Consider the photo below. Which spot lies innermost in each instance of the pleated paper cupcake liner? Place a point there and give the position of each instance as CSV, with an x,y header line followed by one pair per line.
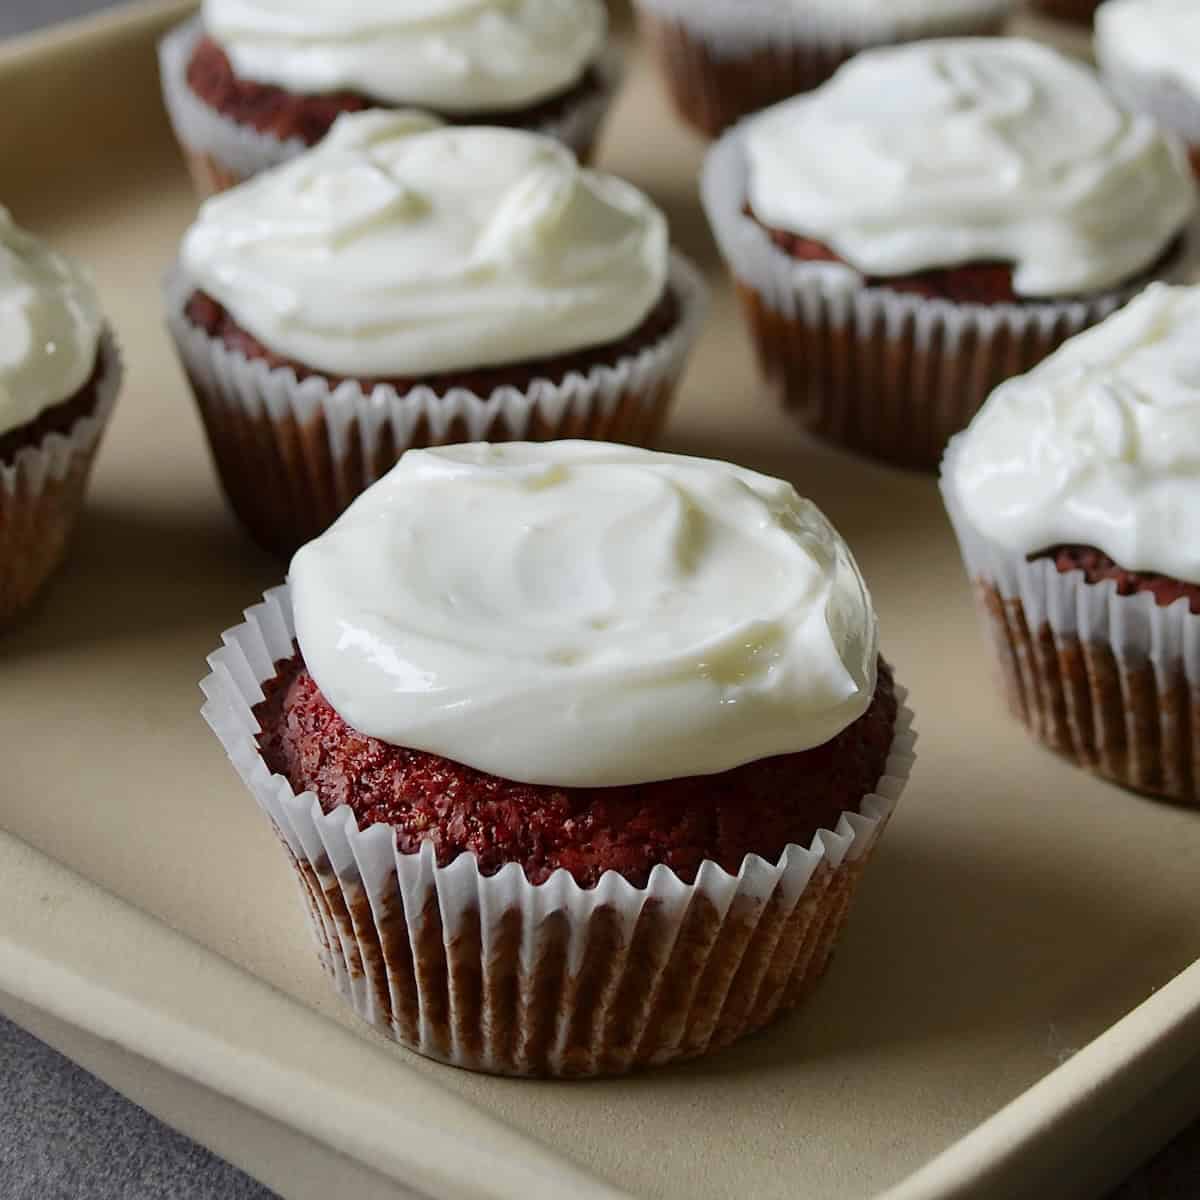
x,y
221,152
1170,104
292,454
721,61
496,974
887,374
1112,682
41,494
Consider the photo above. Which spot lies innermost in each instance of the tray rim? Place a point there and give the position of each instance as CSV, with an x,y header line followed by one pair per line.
x,y
1076,1101
1113,1074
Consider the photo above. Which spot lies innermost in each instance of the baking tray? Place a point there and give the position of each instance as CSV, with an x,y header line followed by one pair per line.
x,y
1006,1017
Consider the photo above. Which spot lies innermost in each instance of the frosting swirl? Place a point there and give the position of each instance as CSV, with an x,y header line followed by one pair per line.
x,y
972,150
397,249
1099,445
894,11
450,55
50,325
1152,37
584,614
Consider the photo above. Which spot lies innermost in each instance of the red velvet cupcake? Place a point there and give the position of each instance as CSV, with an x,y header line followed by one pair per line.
x,y
893,272
1073,495
560,802
59,374
723,59
469,283
247,87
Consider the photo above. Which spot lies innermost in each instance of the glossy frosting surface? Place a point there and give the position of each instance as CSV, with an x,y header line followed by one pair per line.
x,y
584,614
397,248
449,55
1099,445
50,326
891,13
965,150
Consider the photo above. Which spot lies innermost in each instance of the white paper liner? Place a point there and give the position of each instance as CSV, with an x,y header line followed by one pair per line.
x,y
319,447
1112,681
41,492
836,364
516,978
235,152
1171,104
730,30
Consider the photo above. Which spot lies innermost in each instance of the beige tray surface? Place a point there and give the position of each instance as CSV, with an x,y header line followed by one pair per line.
x,y
1018,907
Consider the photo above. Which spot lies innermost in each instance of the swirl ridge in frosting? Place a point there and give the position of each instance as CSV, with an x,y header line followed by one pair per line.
x,y
973,150
583,614
450,55
1099,445
50,326
397,248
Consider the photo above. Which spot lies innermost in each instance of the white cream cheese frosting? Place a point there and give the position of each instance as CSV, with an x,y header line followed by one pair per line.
x,y
1159,38
896,17
450,55
584,614
397,249
1099,445
897,10
50,326
968,150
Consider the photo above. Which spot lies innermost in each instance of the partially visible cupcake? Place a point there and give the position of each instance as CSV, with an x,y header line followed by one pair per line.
x,y
722,59
59,374
249,85
1149,52
405,285
1080,12
560,799
1074,494
933,220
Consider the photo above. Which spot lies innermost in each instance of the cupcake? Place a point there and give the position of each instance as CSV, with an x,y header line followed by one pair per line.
x,y
1080,12
560,799
405,285
1074,495
933,220
248,85
59,373
722,59
1149,52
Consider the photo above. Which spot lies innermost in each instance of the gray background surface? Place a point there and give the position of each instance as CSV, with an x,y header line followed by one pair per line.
x,y
65,1135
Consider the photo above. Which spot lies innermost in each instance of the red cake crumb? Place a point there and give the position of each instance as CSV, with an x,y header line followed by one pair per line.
x,y
283,114
970,283
202,310
1097,567
757,808
57,419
